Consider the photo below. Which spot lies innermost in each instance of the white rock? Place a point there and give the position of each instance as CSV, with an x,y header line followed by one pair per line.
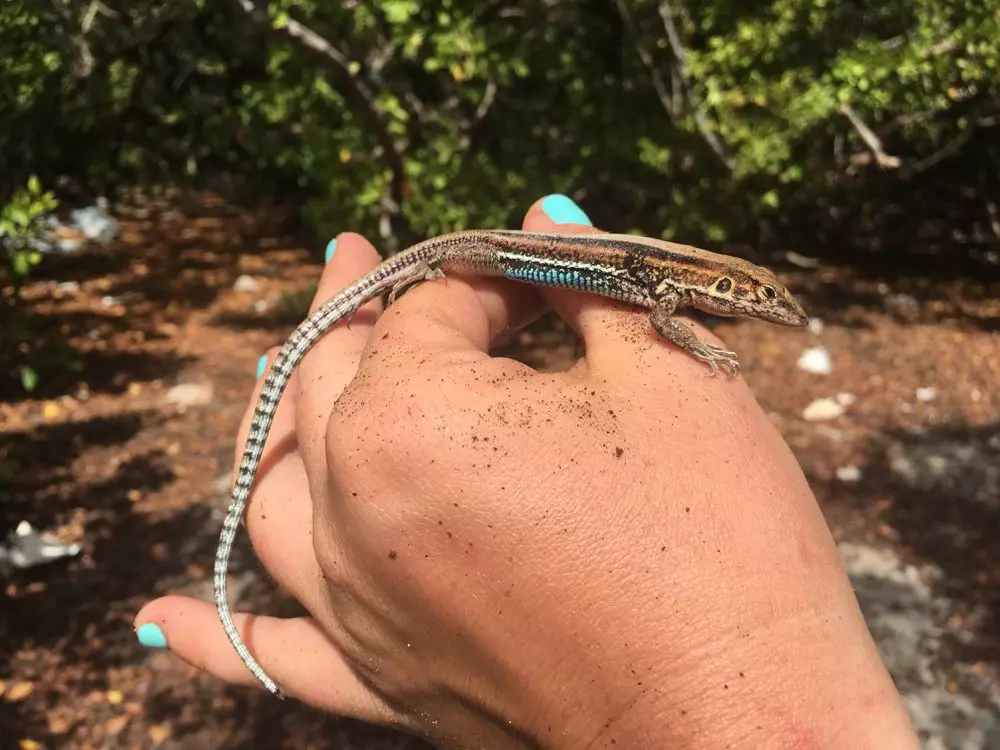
x,y
816,360
802,261
815,326
926,394
190,394
848,473
846,399
822,409
246,283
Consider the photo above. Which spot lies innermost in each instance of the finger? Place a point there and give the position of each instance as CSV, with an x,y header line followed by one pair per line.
x,y
333,360
280,506
282,425
295,652
334,357
610,329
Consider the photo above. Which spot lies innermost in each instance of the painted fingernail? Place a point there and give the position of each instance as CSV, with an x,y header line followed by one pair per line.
x,y
261,365
151,636
331,246
562,210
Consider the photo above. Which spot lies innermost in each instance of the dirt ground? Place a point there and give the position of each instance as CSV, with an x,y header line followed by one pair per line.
x,y
106,454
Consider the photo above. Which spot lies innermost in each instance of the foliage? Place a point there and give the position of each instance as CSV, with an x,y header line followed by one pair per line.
x,y
406,118
21,229
21,242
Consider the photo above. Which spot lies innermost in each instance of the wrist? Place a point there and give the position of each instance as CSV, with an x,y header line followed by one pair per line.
x,y
814,680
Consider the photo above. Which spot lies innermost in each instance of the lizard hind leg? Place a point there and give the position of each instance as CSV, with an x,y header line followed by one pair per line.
x,y
423,271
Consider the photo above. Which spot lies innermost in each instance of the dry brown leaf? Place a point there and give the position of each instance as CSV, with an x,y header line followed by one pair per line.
x,y
159,733
116,724
59,721
19,691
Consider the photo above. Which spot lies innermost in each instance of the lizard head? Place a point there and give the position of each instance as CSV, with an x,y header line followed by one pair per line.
x,y
752,291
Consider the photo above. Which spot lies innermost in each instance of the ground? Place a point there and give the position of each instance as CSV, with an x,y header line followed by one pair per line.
x,y
110,453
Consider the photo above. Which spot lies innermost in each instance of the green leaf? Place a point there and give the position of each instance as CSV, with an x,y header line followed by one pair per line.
x,y
29,378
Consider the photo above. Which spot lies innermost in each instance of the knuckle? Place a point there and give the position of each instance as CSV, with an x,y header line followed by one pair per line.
x,y
383,424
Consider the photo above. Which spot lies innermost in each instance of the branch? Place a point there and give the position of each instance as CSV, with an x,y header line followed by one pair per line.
x,y
83,66
951,147
489,96
668,102
871,140
993,212
354,89
680,57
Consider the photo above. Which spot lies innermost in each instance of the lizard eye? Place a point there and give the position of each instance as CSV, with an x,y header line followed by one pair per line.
x,y
723,285
768,292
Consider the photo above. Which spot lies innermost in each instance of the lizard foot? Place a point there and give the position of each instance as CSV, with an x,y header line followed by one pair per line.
x,y
422,272
715,357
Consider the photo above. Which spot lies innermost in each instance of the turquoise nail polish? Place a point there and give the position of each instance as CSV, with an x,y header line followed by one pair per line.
x,y
151,636
562,210
330,248
261,365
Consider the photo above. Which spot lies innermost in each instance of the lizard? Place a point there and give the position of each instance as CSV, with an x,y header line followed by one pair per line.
x,y
658,275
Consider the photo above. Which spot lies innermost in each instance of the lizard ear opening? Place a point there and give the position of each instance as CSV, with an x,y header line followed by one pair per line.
x,y
723,285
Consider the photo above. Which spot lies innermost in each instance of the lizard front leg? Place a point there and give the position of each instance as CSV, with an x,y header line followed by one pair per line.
x,y
678,334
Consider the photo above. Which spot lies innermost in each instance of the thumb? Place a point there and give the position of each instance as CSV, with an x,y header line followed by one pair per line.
x,y
295,651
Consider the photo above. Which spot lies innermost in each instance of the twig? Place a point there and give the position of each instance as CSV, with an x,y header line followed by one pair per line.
x,y
871,140
666,98
680,57
994,213
951,147
352,87
489,96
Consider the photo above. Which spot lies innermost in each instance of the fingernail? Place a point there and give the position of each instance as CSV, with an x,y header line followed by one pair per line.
x,y
261,365
562,210
330,248
151,636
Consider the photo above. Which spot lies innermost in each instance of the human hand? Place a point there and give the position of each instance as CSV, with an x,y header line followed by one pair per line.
x,y
505,558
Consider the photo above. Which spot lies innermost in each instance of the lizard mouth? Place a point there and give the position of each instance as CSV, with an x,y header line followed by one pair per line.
x,y
793,314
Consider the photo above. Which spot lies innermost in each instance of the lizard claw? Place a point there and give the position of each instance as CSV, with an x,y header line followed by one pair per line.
x,y
716,357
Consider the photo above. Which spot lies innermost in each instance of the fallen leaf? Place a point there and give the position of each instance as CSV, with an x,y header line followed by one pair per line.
x,y
159,733
20,691
59,723
116,724
115,697
51,410
27,744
